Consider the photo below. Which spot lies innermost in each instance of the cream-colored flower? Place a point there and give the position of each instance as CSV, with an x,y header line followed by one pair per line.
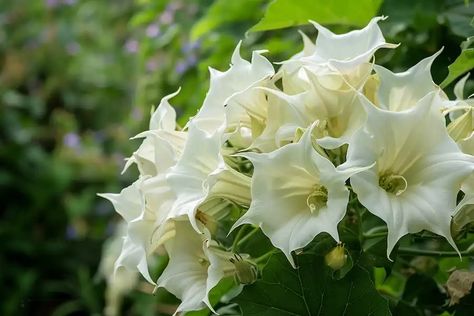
x,y
464,212
225,101
418,171
401,91
461,114
201,175
320,84
296,194
118,283
344,57
195,267
337,113
130,204
162,144
462,130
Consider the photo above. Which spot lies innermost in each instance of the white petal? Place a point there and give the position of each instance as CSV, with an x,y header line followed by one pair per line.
x,y
164,117
129,203
401,91
239,77
350,49
185,275
414,144
281,184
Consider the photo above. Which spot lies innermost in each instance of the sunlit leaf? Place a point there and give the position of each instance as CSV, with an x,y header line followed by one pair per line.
x,y
224,11
462,64
285,13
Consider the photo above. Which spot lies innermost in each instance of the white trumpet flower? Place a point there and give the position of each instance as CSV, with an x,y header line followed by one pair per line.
x,y
130,204
162,144
418,171
347,55
195,267
296,194
201,174
462,131
401,91
464,212
241,76
337,113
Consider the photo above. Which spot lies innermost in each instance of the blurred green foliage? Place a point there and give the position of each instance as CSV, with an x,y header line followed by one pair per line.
x,y
79,77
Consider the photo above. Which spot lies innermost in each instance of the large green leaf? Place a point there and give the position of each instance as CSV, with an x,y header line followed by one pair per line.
x,y
224,11
285,13
310,290
462,64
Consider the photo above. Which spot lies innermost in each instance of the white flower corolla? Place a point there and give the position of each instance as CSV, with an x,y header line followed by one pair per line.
x,y
201,175
296,194
461,114
130,204
242,76
195,267
462,131
120,283
162,144
347,54
401,91
246,114
419,169
347,50
337,113
457,107
464,212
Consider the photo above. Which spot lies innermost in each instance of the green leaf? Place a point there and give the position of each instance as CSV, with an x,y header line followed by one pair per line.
x,y
286,13
459,17
224,11
462,64
310,290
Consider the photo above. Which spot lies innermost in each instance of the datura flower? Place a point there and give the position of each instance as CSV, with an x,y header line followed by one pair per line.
x,y
464,212
130,204
462,131
296,194
231,99
320,84
338,114
195,267
345,57
162,144
118,284
461,114
201,175
401,91
418,171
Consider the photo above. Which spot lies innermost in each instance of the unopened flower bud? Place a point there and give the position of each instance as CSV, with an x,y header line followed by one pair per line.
x,y
246,272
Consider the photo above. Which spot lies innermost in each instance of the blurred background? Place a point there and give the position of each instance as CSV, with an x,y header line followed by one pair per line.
x,y
78,78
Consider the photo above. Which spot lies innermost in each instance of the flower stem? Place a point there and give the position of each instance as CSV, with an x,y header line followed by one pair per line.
x,y
247,237
264,256
239,235
375,235
434,253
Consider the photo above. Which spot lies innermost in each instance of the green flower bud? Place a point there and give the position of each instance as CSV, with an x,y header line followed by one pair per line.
x,y
336,258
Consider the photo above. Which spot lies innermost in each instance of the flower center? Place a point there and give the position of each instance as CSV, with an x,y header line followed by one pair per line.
x,y
318,198
393,183
321,129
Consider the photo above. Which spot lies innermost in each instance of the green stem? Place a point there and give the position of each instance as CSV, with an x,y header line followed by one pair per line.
x,y
248,236
434,253
265,256
375,235
239,235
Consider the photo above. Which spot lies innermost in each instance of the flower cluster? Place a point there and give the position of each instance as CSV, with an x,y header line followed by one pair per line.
x,y
282,151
